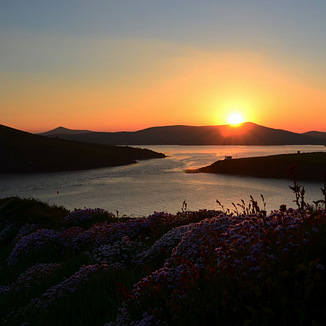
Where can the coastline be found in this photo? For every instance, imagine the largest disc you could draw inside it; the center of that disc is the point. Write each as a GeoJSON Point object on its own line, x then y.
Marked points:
{"type": "Point", "coordinates": [306, 166]}
{"type": "Point", "coordinates": [22, 152]}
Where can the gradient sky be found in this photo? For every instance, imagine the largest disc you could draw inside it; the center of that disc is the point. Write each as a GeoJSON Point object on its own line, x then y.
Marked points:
{"type": "Point", "coordinates": [127, 65]}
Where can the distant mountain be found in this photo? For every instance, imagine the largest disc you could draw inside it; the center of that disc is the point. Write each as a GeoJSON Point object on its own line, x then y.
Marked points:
{"type": "Point", "coordinates": [24, 152]}
{"type": "Point", "coordinates": [64, 131]}
{"type": "Point", "coordinates": [317, 134]}
{"type": "Point", "coordinates": [246, 134]}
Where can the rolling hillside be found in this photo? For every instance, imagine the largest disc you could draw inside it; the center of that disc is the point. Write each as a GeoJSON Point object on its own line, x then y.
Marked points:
{"type": "Point", "coordinates": [246, 134]}
{"type": "Point", "coordinates": [24, 152]}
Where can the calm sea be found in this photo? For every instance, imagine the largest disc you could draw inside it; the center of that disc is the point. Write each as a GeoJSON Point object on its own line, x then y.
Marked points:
{"type": "Point", "coordinates": [160, 184]}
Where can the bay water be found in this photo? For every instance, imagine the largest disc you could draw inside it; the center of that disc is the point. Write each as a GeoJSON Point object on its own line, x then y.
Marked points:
{"type": "Point", "coordinates": [160, 184]}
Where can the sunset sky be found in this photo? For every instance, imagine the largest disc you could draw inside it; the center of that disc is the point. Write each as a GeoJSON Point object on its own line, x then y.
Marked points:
{"type": "Point", "coordinates": [107, 65]}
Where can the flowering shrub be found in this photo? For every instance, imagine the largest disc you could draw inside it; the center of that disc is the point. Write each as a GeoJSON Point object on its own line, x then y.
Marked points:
{"type": "Point", "coordinates": [26, 230]}
{"type": "Point", "coordinates": [241, 247]}
{"type": "Point", "coordinates": [57, 292]}
{"type": "Point", "coordinates": [164, 246]}
{"type": "Point", "coordinates": [118, 255]}
{"type": "Point", "coordinates": [166, 269]}
{"type": "Point", "coordinates": [198, 244]}
{"type": "Point", "coordinates": [80, 216]}
{"type": "Point", "coordinates": [34, 275]}
{"type": "Point", "coordinates": [67, 286]}
{"type": "Point", "coordinates": [35, 241]}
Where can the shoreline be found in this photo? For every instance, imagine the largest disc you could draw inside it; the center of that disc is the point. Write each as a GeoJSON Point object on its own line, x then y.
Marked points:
{"type": "Point", "coordinates": [306, 166]}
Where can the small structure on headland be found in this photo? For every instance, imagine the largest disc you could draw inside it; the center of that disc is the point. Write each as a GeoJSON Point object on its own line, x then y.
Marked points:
{"type": "Point", "coordinates": [227, 157]}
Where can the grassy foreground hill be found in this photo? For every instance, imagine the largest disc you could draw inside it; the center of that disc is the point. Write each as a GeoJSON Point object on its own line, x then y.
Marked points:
{"type": "Point", "coordinates": [24, 152]}
{"type": "Point", "coordinates": [88, 267]}
{"type": "Point", "coordinates": [308, 166]}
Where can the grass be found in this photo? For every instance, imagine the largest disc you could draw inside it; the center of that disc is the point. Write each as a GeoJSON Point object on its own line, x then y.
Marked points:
{"type": "Point", "coordinates": [89, 267]}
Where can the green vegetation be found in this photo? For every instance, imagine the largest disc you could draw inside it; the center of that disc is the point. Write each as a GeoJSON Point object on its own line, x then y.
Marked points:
{"type": "Point", "coordinates": [309, 166]}
{"type": "Point", "coordinates": [24, 152]}
{"type": "Point", "coordinates": [225, 267]}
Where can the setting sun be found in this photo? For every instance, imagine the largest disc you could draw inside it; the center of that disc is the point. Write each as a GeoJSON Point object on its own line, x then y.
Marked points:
{"type": "Point", "coordinates": [235, 119]}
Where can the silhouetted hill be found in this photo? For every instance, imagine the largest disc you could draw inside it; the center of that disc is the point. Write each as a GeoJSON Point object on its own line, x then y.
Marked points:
{"type": "Point", "coordinates": [62, 130]}
{"type": "Point", "coordinates": [308, 166]}
{"type": "Point", "coordinates": [246, 134]}
{"type": "Point", "coordinates": [24, 152]}
{"type": "Point", "coordinates": [317, 135]}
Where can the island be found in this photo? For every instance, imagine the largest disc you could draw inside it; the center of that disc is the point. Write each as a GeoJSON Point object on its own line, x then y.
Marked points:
{"type": "Point", "coordinates": [22, 152]}
{"type": "Point", "coordinates": [306, 166]}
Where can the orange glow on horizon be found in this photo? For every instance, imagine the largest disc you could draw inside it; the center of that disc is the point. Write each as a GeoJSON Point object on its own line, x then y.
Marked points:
{"type": "Point", "coordinates": [235, 131]}
{"type": "Point", "coordinates": [235, 119]}
{"type": "Point", "coordinates": [204, 90]}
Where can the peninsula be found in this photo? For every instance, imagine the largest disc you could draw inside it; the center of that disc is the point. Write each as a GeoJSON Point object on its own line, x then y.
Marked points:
{"type": "Point", "coordinates": [307, 166]}
{"type": "Point", "coordinates": [22, 152]}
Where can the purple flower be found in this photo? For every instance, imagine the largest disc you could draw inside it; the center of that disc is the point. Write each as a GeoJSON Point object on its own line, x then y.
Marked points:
{"type": "Point", "coordinates": [35, 240]}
